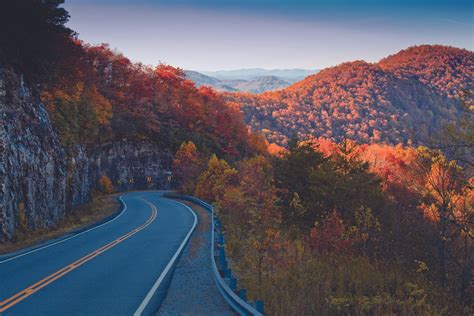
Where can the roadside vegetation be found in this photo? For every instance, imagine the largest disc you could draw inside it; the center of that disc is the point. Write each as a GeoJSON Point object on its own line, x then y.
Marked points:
{"type": "Point", "coordinates": [343, 229]}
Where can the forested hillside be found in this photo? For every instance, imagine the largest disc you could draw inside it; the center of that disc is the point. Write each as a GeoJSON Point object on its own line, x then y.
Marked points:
{"type": "Point", "coordinates": [75, 115]}
{"type": "Point", "coordinates": [101, 96]}
{"type": "Point", "coordinates": [343, 229]}
{"type": "Point", "coordinates": [402, 99]}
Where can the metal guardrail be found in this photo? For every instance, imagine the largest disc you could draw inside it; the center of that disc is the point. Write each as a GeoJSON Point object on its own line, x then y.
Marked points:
{"type": "Point", "coordinates": [226, 283]}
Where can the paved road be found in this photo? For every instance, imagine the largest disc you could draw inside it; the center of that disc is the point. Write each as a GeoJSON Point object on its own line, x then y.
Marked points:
{"type": "Point", "coordinates": [119, 268]}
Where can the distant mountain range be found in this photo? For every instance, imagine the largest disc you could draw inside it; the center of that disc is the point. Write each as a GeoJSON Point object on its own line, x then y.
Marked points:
{"type": "Point", "coordinates": [406, 97]}
{"type": "Point", "coordinates": [248, 80]}
{"type": "Point", "coordinates": [289, 75]}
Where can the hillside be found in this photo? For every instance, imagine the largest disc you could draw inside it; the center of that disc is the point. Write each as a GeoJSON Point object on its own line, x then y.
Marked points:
{"type": "Point", "coordinates": [253, 85]}
{"type": "Point", "coordinates": [404, 97]}
{"type": "Point", "coordinates": [445, 70]}
{"type": "Point", "coordinates": [262, 84]}
{"type": "Point", "coordinates": [200, 79]}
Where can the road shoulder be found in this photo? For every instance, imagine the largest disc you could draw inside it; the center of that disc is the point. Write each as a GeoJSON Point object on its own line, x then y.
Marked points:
{"type": "Point", "coordinates": [192, 290]}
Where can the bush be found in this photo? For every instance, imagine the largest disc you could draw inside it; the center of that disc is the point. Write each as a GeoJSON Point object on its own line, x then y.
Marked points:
{"type": "Point", "coordinates": [105, 185]}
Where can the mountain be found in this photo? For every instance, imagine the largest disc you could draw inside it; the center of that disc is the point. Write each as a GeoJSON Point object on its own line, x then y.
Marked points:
{"type": "Point", "coordinates": [404, 98]}
{"type": "Point", "coordinates": [253, 85]}
{"type": "Point", "coordinates": [445, 70]}
{"type": "Point", "coordinates": [261, 84]}
{"type": "Point", "coordinates": [200, 79]}
{"type": "Point", "coordinates": [289, 75]}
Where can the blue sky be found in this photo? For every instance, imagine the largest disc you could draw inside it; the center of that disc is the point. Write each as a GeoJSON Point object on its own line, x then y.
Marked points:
{"type": "Point", "coordinates": [231, 34]}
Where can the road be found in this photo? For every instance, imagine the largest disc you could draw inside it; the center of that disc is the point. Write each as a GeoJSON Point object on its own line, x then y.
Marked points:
{"type": "Point", "coordinates": [121, 267]}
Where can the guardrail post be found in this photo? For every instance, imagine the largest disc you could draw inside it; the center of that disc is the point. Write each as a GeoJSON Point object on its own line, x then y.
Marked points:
{"type": "Point", "coordinates": [233, 283]}
{"type": "Point", "coordinates": [242, 294]}
{"type": "Point", "coordinates": [259, 306]}
{"type": "Point", "coordinates": [226, 273]}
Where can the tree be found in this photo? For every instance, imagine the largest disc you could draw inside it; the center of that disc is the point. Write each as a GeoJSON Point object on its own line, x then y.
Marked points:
{"type": "Point", "coordinates": [446, 193]}
{"type": "Point", "coordinates": [187, 165]}
{"type": "Point", "coordinates": [457, 139]}
{"type": "Point", "coordinates": [295, 175]}
{"type": "Point", "coordinates": [250, 207]}
{"type": "Point", "coordinates": [78, 113]}
{"type": "Point", "coordinates": [213, 182]}
{"type": "Point", "coordinates": [34, 36]}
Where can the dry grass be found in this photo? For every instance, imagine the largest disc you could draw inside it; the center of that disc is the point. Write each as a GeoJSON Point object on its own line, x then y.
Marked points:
{"type": "Point", "coordinates": [99, 208]}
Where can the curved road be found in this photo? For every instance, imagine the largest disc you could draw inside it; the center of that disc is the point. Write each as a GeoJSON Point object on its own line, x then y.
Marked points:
{"type": "Point", "coordinates": [121, 267]}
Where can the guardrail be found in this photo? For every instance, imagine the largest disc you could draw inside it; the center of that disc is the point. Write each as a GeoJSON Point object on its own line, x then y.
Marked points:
{"type": "Point", "coordinates": [226, 283]}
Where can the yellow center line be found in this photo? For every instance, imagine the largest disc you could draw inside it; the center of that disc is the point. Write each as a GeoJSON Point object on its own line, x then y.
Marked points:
{"type": "Point", "coordinates": [20, 296]}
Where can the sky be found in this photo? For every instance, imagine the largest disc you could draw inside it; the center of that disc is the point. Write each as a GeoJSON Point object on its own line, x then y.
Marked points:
{"type": "Point", "coordinates": [208, 35]}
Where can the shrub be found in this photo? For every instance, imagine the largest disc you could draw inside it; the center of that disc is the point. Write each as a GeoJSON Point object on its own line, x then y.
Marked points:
{"type": "Point", "coordinates": [105, 185]}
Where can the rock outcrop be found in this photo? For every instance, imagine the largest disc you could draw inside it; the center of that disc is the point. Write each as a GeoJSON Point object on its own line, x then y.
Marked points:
{"type": "Point", "coordinates": [32, 160]}
{"type": "Point", "coordinates": [40, 182]}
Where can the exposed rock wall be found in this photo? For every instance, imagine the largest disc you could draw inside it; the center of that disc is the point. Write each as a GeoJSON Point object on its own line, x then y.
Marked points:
{"type": "Point", "coordinates": [131, 165]}
{"type": "Point", "coordinates": [32, 160]}
{"type": "Point", "coordinates": [39, 182]}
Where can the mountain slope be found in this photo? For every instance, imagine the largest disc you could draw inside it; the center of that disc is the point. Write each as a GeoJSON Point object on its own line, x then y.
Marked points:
{"type": "Point", "coordinates": [446, 70]}
{"type": "Point", "coordinates": [200, 79]}
{"type": "Point", "coordinates": [262, 84]}
{"type": "Point", "coordinates": [366, 102]}
{"type": "Point", "coordinates": [253, 85]}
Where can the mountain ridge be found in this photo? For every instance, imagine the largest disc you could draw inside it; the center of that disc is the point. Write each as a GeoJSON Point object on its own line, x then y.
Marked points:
{"type": "Point", "coordinates": [257, 84]}
{"type": "Point", "coordinates": [389, 101]}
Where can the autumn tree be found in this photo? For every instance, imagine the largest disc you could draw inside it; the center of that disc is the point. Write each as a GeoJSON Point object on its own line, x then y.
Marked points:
{"type": "Point", "coordinates": [446, 193]}
{"type": "Point", "coordinates": [78, 113]}
{"type": "Point", "coordinates": [251, 206]}
{"type": "Point", "coordinates": [457, 139]}
{"type": "Point", "coordinates": [105, 184]}
{"type": "Point", "coordinates": [213, 182]}
{"type": "Point", "coordinates": [187, 166]}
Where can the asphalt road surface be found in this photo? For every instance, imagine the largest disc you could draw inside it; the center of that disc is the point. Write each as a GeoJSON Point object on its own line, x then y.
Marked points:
{"type": "Point", "coordinates": [121, 267]}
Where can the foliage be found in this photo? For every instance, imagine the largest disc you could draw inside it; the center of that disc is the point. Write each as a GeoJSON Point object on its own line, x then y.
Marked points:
{"type": "Point", "coordinates": [34, 36]}
{"type": "Point", "coordinates": [456, 140]}
{"type": "Point", "coordinates": [105, 185]}
{"type": "Point", "coordinates": [359, 229]}
{"type": "Point", "coordinates": [214, 181]}
{"type": "Point", "coordinates": [444, 69]}
{"type": "Point", "coordinates": [187, 166]}
{"type": "Point", "coordinates": [405, 98]}
{"type": "Point", "coordinates": [310, 186]}
{"type": "Point", "coordinates": [100, 96]}
{"type": "Point", "coordinates": [78, 113]}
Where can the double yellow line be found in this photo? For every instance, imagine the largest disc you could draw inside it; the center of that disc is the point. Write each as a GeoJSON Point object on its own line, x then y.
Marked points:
{"type": "Point", "coordinates": [20, 296]}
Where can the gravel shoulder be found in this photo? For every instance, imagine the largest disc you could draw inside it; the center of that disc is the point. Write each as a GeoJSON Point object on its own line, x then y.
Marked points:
{"type": "Point", "coordinates": [192, 290]}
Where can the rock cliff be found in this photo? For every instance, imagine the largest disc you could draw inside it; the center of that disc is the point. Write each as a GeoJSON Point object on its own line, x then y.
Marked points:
{"type": "Point", "coordinates": [32, 160]}
{"type": "Point", "coordinates": [40, 182]}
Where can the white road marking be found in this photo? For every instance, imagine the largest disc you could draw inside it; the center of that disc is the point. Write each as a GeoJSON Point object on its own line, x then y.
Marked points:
{"type": "Point", "coordinates": [69, 238]}
{"type": "Point", "coordinates": [155, 286]}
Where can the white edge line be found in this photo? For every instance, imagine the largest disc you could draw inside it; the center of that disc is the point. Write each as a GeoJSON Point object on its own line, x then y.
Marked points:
{"type": "Point", "coordinates": [69, 238]}
{"type": "Point", "coordinates": [155, 286]}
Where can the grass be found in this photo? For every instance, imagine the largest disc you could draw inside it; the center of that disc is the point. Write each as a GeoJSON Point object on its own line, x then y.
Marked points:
{"type": "Point", "coordinates": [100, 207]}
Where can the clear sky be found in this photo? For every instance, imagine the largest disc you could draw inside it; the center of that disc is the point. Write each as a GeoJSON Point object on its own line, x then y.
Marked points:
{"type": "Point", "coordinates": [232, 34]}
